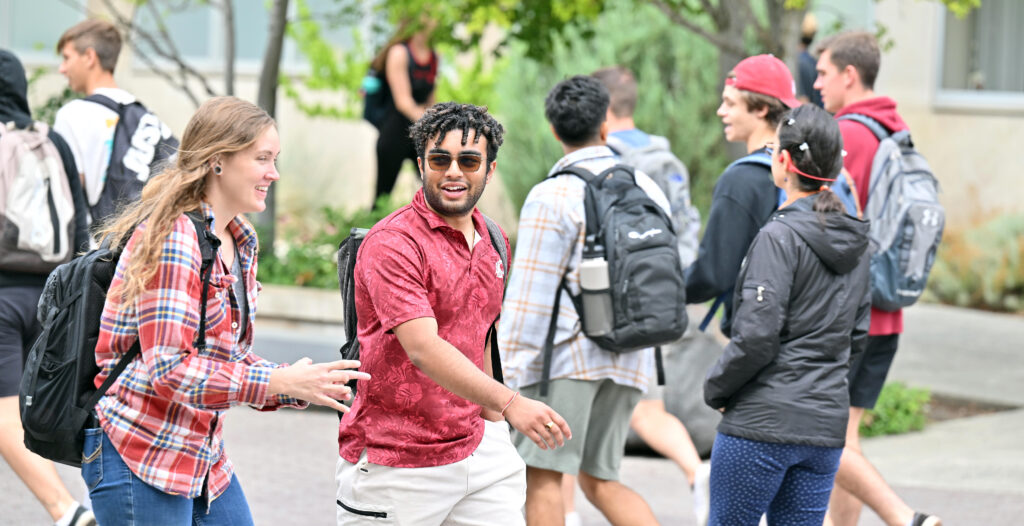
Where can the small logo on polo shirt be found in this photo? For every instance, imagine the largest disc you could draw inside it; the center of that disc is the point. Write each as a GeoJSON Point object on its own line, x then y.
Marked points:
{"type": "Point", "coordinates": [499, 270]}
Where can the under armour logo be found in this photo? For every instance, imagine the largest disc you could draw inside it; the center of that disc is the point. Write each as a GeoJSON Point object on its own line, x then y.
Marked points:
{"type": "Point", "coordinates": [930, 218]}
{"type": "Point", "coordinates": [645, 235]}
{"type": "Point", "coordinates": [499, 270]}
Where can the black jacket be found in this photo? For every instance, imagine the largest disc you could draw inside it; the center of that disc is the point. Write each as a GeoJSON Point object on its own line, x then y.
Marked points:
{"type": "Point", "coordinates": [803, 301]}
{"type": "Point", "coordinates": [743, 200]}
{"type": "Point", "coordinates": [14, 108]}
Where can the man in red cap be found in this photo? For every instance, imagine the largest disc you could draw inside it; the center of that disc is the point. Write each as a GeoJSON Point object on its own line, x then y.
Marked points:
{"type": "Point", "coordinates": [757, 93]}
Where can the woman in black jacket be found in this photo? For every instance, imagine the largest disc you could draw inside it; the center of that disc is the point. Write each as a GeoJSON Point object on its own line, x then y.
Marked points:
{"type": "Point", "coordinates": [802, 307]}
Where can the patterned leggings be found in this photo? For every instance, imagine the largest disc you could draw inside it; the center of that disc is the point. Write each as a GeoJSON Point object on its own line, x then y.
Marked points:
{"type": "Point", "coordinates": [789, 482]}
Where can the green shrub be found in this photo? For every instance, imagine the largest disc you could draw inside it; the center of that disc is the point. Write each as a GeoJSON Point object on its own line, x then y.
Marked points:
{"type": "Point", "coordinates": [307, 259]}
{"type": "Point", "coordinates": [899, 409]}
{"type": "Point", "coordinates": [981, 265]}
{"type": "Point", "coordinates": [677, 73]}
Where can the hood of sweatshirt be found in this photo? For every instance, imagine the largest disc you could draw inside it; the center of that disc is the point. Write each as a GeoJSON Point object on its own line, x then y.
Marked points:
{"type": "Point", "coordinates": [837, 238]}
{"type": "Point", "coordinates": [882, 109]}
{"type": "Point", "coordinates": [13, 90]}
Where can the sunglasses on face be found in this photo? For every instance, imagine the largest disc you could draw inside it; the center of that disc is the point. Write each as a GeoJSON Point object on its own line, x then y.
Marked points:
{"type": "Point", "coordinates": [440, 162]}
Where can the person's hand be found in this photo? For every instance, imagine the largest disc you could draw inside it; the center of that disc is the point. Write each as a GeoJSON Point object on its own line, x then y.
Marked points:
{"type": "Point", "coordinates": [317, 383]}
{"type": "Point", "coordinates": [538, 422]}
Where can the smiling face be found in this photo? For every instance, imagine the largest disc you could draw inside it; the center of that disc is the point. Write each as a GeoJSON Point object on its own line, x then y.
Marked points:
{"type": "Point", "coordinates": [246, 175]}
{"type": "Point", "coordinates": [738, 121]}
{"type": "Point", "coordinates": [454, 176]}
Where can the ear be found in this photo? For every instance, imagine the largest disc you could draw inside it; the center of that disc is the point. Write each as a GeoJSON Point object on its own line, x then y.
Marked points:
{"type": "Point", "coordinates": [553, 132]}
{"type": "Point", "coordinates": [490, 171]}
{"type": "Point", "coordinates": [851, 77]}
{"type": "Point", "coordinates": [419, 164]}
{"type": "Point", "coordinates": [91, 57]}
{"type": "Point", "coordinates": [785, 158]}
{"type": "Point", "coordinates": [604, 131]}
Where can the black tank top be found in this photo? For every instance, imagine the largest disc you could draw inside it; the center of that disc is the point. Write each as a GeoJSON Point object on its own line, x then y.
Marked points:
{"type": "Point", "coordinates": [421, 76]}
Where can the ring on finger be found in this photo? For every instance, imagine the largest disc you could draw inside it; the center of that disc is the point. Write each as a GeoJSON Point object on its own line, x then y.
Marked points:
{"type": "Point", "coordinates": [550, 425]}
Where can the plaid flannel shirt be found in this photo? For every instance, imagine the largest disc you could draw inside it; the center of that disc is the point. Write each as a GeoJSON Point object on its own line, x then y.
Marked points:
{"type": "Point", "coordinates": [164, 413]}
{"type": "Point", "coordinates": [550, 241]}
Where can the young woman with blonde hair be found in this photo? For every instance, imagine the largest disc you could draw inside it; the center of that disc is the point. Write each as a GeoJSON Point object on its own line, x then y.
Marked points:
{"type": "Point", "coordinates": [156, 455]}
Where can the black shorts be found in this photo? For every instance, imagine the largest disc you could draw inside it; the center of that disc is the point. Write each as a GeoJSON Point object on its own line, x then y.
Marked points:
{"type": "Point", "coordinates": [18, 330]}
{"type": "Point", "coordinates": [868, 371]}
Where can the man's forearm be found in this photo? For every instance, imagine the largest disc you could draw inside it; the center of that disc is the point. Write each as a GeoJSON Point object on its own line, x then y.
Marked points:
{"type": "Point", "coordinates": [451, 369]}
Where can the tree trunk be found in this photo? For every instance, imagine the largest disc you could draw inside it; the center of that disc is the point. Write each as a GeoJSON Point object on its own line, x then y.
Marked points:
{"type": "Point", "coordinates": [267, 99]}
{"type": "Point", "coordinates": [229, 46]}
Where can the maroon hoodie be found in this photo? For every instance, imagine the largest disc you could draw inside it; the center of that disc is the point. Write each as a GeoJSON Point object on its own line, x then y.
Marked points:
{"type": "Point", "coordinates": [860, 145]}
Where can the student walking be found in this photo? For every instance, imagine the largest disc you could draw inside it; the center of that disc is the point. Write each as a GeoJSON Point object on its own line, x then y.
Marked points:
{"type": "Point", "coordinates": [157, 455]}
{"type": "Point", "coordinates": [596, 390]}
{"type": "Point", "coordinates": [408, 65]}
{"type": "Point", "coordinates": [802, 301]}
{"type": "Point", "coordinates": [427, 442]}
{"type": "Point", "coordinates": [21, 286]}
{"type": "Point", "coordinates": [847, 68]}
{"type": "Point", "coordinates": [757, 92]}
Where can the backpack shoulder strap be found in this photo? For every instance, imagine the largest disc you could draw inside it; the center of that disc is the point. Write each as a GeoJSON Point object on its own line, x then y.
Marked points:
{"type": "Point", "coordinates": [871, 124]}
{"type": "Point", "coordinates": [106, 102]}
{"type": "Point", "coordinates": [582, 173]}
{"type": "Point", "coordinates": [758, 158]}
{"type": "Point", "coordinates": [498, 241]}
{"type": "Point", "coordinates": [208, 245]}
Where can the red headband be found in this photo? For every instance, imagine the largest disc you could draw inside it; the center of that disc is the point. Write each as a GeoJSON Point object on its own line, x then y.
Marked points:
{"type": "Point", "coordinates": [791, 167]}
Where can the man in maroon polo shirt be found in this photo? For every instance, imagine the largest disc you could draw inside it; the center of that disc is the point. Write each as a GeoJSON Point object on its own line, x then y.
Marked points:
{"type": "Point", "coordinates": [427, 443]}
{"type": "Point", "coordinates": [847, 67]}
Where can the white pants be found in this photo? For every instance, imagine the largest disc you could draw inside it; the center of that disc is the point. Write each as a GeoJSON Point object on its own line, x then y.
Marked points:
{"type": "Point", "coordinates": [487, 488]}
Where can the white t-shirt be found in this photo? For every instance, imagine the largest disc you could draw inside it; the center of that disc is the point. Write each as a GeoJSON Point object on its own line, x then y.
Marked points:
{"type": "Point", "coordinates": [88, 128]}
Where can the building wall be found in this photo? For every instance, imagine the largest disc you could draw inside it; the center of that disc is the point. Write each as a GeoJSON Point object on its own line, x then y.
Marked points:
{"type": "Point", "coordinates": [974, 148]}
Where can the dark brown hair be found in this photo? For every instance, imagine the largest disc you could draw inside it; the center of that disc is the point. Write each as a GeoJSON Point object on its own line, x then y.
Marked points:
{"type": "Point", "coordinates": [858, 49]}
{"type": "Point", "coordinates": [821, 157]}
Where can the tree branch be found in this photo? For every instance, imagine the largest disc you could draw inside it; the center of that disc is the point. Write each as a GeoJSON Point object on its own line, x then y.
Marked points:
{"type": "Point", "coordinates": [713, 38]}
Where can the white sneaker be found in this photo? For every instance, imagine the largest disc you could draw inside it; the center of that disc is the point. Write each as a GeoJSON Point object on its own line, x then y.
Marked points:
{"type": "Point", "coordinates": [573, 519]}
{"type": "Point", "coordinates": [702, 493]}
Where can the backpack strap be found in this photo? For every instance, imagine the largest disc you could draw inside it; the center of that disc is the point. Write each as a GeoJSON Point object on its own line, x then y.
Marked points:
{"type": "Point", "coordinates": [873, 125]}
{"type": "Point", "coordinates": [498, 242]}
{"type": "Point", "coordinates": [208, 244]}
{"type": "Point", "coordinates": [106, 102]}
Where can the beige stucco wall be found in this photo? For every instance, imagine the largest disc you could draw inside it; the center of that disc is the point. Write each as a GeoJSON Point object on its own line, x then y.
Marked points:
{"type": "Point", "coordinates": [977, 154]}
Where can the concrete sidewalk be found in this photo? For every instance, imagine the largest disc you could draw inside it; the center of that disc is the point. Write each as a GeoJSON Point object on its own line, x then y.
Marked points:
{"type": "Point", "coordinates": [969, 471]}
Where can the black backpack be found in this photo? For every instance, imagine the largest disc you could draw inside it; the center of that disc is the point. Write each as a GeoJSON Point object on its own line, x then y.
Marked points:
{"type": "Point", "coordinates": [58, 392]}
{"type": "Point", "coordinates": [646, 279]}
{"type": "Point", "coordinates": [347, 252]}
{"type": "Point", "coordinates": [143, 144]}
{"type": "Point", "coordinates": [376, 97]}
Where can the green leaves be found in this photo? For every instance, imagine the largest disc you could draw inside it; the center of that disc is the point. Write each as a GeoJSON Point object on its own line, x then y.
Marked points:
{"type": "Point", "coordinates": [900, 409]}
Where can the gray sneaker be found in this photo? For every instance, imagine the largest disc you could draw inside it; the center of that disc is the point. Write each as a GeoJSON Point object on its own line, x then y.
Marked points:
{"type": "Point", "coordinates": [83, 517]}
{"type": "Point", "coordinates": [923, 519]}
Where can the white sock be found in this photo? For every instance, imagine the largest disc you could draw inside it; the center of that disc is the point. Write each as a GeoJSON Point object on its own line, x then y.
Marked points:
{"type": "Point", "coordinates": [65, 520]}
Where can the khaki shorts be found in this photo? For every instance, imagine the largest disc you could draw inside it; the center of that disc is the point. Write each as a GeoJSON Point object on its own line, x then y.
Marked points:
{"type": "Point", "coordinates": [598, 413]}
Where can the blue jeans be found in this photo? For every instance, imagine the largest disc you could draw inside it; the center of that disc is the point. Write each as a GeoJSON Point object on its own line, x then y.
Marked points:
{"type": "Point", "coordinates": [121, 498]}
{"type": "Point", "coordinates": [789, 482]}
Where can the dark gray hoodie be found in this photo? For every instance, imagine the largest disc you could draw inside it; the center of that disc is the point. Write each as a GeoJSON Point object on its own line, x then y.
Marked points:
{"type": "Point", "coordinates": [802, 302]}
{"type": "Point", "coordinates": [14, 108]}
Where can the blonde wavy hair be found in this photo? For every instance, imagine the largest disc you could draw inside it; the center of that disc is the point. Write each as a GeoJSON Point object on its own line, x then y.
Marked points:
{"type": "Point", "coordinates": [220, 127]}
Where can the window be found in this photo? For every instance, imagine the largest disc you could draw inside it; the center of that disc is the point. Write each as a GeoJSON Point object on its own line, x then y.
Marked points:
{"type": "Point", "coordinates": [31, 29]}
{"type": "Point", "coordinates": [979, 62]}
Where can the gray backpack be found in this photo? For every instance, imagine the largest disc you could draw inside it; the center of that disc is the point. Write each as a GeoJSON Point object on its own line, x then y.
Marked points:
{"type": "Point", "coordinates": [37, 211]}
{"type": "Point", "coordinates": [657, 161]}
{"type": "Point", "coordinates": [906, 218]}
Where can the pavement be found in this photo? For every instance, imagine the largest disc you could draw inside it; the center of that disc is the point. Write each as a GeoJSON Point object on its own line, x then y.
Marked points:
{"type": "Point", "coordinates": [969, 471]}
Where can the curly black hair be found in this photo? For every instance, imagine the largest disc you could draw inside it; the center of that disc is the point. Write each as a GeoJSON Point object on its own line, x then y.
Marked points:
{"type": "Point", "coordinates": [444, 117]}
{"type": "Point", "coordinates": [576, 108]}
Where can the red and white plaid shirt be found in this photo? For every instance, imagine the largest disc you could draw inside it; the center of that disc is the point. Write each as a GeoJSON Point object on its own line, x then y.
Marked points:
{"type": "Point", "coordinates": [164, 413]}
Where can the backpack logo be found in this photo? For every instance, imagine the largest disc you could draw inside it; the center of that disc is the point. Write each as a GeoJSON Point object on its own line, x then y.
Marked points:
{"type": "Point", "coordinates": [930, 218]}
{"type": "Point", "coordinates": [143, 145]}
{"type": "Point", "coordinates": [499, 271]}
{"type": "Point", "coordinates": [650, 233]}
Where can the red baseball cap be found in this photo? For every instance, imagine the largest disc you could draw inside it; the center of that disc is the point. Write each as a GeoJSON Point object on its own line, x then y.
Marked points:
{"type": "Point", "coordinates": [766, 75]}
